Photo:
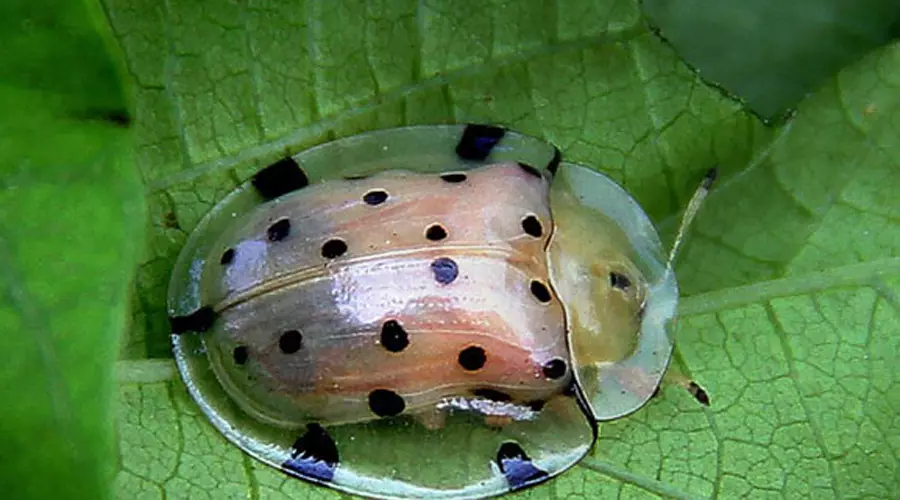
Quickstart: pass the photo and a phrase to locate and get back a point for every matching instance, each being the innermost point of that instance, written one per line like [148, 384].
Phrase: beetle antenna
[690, 212]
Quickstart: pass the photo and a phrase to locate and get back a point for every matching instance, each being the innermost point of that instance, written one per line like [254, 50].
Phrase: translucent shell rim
[618, 389]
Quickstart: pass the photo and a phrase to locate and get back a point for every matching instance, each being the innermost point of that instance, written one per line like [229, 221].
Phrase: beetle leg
[690, 212]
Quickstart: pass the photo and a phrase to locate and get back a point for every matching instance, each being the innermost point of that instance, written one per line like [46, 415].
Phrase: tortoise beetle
[427, 311]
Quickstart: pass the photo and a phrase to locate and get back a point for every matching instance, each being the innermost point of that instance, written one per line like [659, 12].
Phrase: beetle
[441, 311]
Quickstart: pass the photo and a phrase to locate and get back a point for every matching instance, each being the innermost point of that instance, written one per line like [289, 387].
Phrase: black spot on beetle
[517, 467]
[227, 257]
[240, 354]
[619, 280]
[477, 141]
[454, 178]
[435, 232]
[200, 321]
[554, 369]
[290, 341]
[472, 358]
[279, 230]
[314, 455]
[393, 336]
[530, 170]
[532, 226]
[334, 248]
[553, 166]
[376, 197]
[385, 403]
[445, 270]
[540, 291]
[279, 178]
[493, 395]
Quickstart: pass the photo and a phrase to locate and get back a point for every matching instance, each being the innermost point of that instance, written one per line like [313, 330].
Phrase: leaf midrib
[866, 273]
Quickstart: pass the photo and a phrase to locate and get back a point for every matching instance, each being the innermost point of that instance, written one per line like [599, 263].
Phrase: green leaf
[769, 52]
[791, 275]
[71, 229]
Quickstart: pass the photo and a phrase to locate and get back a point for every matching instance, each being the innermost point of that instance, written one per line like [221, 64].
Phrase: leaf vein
[616, 472]
[862, 274]
[320, 125]
[788, 352]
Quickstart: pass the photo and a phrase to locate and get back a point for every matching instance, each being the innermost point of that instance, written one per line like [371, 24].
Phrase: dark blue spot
[314, 455]
[279, 178]
[445, 270]
[477, 141]
[517, 467]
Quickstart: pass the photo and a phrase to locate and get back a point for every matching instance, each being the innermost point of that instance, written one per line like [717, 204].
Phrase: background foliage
[790, 280]
[72, 214]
